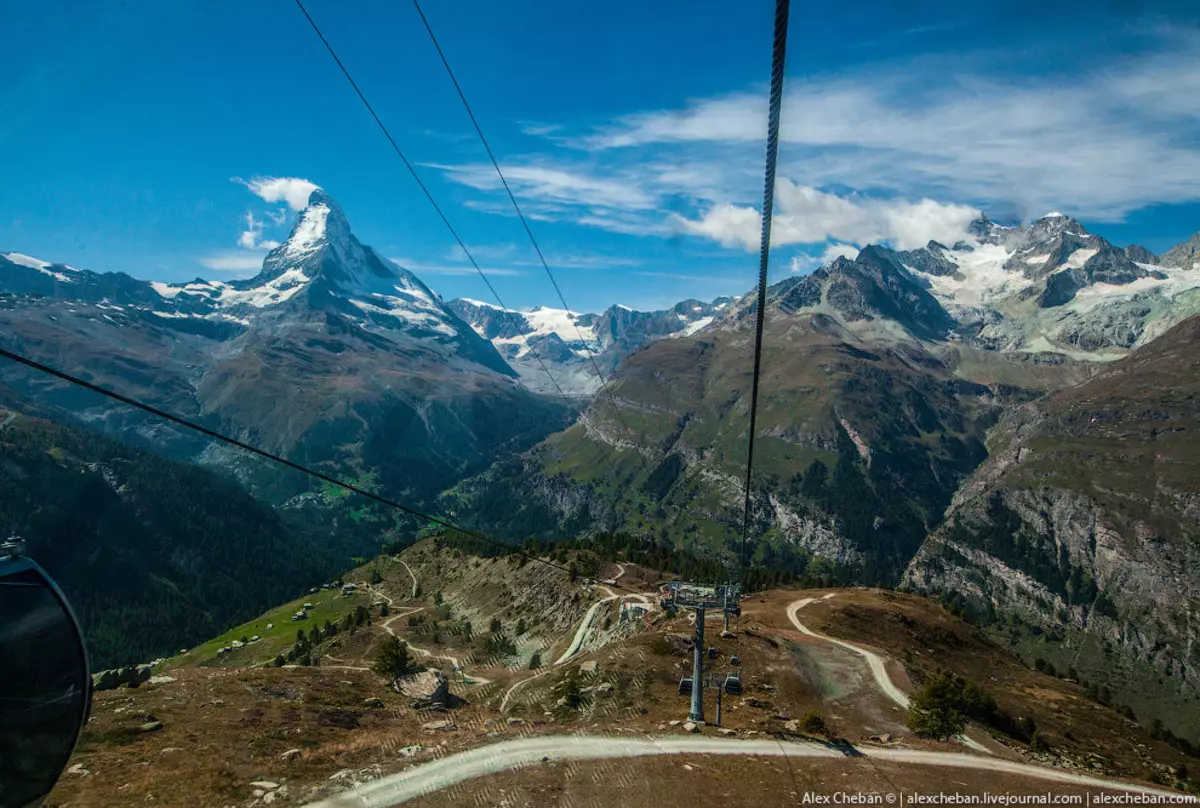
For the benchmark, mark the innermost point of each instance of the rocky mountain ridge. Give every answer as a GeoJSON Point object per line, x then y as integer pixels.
{"type": "Point", "coordinates": [569, 342]}
{"type": "Point", "coordinates": [1082, 525]}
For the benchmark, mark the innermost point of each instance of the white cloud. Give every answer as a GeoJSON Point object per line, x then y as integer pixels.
{"type": "Point", "coordinates": [730, 225]}
{"type": "Point", "coordinates": [836, 250]}
{"type": "Point", "coordinates": [804, 215]}
{"type": "Point", "coordinates": [804, 262]}
{"type": "Point", "coordinates": [251, 238]}
{"type": "Point", "coordinates": [292, 190]}
{"type": "Point", "coordinates": [232, 261]}
{"type": "Point", "coordinates": [1115, 136]}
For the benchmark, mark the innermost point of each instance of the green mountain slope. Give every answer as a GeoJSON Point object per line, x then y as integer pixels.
{"type": "Point", "coordinates": [859, 451]}
{"type": "Point", "coordinates": [1080, 537]}
{"type": "Point", "coordinates": [153, 554]}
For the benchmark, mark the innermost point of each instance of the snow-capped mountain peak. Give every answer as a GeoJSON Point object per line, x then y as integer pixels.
{"type": "Point", "coordinates": [321, 271]}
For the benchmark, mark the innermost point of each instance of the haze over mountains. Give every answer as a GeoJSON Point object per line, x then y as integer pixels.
{"type": "Point", "coordinates": [885, 377]}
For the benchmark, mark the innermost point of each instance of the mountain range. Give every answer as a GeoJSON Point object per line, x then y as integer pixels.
{"type": "Point", "coordinates": [576, 348]}
{"type": "Point", "coordinates": [332, 355]}
{"type": "Point", "coordinates": [890, 381]}
{"type": "Point", "coordinates": [911, 426]}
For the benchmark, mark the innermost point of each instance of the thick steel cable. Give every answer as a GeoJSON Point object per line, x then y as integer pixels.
{"type": "Point", "coordinates": [778, 57]}
{"type": "Point", "coordinates": [274, 458]}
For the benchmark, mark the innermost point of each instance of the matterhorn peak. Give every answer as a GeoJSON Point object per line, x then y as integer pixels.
{"type": "Point", "coordinates": [321, 223]}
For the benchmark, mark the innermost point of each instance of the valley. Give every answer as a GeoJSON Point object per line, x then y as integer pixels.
{"type": "Point", "coordinates": [996, 430]}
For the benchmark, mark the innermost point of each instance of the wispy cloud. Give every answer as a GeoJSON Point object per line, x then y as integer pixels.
{"type": "Point", "coordinates": [1101, 144]}
{"type": "Point", "coordinates": [292, 190]}
{"type": "Point", "coordinates": [585, 262]}
{"type": "Point", "coordinates": [251, 238]}
{"type": "Point", "coordinates": [683, 276]}
{"type": "Point", "coordinates": [553, 184]}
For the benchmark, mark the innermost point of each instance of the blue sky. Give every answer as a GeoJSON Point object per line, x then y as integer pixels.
{"type": "Point", "coordinates": [630, 131]}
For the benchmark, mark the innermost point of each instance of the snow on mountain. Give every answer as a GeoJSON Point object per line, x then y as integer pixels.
{"type": "Point", "coordinates": [513, 330]}
{"type": "Point", "coordinates": [323, 259]}
{"type": "Point", "coordinates": [572, 344]}
{"type": "Point", "coordinates": [56, 271]}
{"type": "Point", "coordinates": [561, 322]}
{"type": "Point", "coordinates": [322, 269]}
{"type": "Point", "coordinates": [26, 260]}
{"type": "Point", "coordinates": [1053, 286]}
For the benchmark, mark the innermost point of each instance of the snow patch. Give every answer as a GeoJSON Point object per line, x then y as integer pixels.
{"type": "Point", "coordinates": [1078, 258]}
{"type": "Point", "coordinates": [26, 260]}
{"type": "Point", "coordinates": [274, 291]}
{"type": "Point", "coordinates": [981, 276]}
{"type": "Point", "coordinates": [41, 266]}
{"type": "Point", "coordinates": [481, 304]}
{"type": "Point", "coordinates": [692, 328]}
{"type": "Point", "coordinates": [558, 321]}
{"type": "Point", "coordinates": [309, 234]}
{"type": "Point", "coordinates": [401, 308]}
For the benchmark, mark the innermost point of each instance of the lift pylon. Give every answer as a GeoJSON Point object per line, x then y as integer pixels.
{"type": "Point", "coordinates": [699, 598]}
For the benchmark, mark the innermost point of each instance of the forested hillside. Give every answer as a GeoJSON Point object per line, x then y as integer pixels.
{"type": "Point", "coordinates": [153, 554]}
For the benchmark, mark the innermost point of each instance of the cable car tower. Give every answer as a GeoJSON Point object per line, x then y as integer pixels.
{"type": "Point", "coordinates": [700, 598]}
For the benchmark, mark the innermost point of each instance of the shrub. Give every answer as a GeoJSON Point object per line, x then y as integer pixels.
{"type": "Point", "coordinates": [392, 659]}
{"type": "Point", "coordinates": [938, 710]}
{"type": "Point", "coordinates": [499, 644]}
{"type": "Point", "coordinates": [570, 693]}
{"type": "Point", "coordinates": [814, 724]}
{"type": "Point", "coordinates": [535, 662]}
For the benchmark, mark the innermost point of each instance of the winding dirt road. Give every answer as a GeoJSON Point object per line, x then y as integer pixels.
{"type": "Point", "coordinates": [435, 775]}
{"type": "Point", "coordinates": [875, 661]}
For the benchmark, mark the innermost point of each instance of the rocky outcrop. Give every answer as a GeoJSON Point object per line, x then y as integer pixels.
{"type": "Point", "coordinates": [131, 675]}
{"type": "Point", "coordinates": [426, 689]}
{"type": "Point", "coordinates": [1183, 256]}
{"type": "Point", "coordinates": [1140, 254]}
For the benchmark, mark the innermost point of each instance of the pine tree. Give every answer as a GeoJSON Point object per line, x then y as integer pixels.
{"type": "Point", "coordinates": [392, 659]}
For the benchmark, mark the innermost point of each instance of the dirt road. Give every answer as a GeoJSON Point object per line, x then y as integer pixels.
{"type": "Point", "coordinates": [453, 769]}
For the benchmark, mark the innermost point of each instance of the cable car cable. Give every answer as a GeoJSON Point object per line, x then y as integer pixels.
{"type": "Point", "coordinates": [778, 55]}
{"type": "Point", "coordinates": [212, 433]}
{"type": "Point", "coordinates": [395, 147]}
{"type": "Point", "coordinates": [524, 222]}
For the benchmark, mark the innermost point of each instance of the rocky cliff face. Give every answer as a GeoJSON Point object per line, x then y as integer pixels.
{"type": "Point", "coordinates": [1185, 255]}
{"type": "Point", "coordinates": [1084, 525]}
